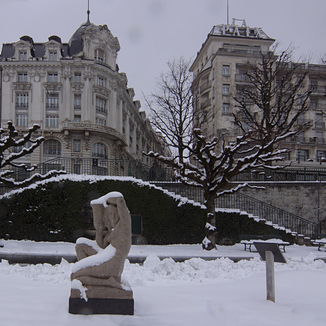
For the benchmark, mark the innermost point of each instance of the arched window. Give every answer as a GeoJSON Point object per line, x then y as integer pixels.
{"type": "Point", "coordinates": [99, 56]}
{"type": "Point", "coordinates": [99, 150]}
{"type": "Point", "coordinates": [52, 147]}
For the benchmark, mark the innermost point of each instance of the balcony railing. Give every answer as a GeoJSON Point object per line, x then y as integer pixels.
{"type": "Point", "coordinates": [242, 78]}
{"type": "Point", "coordinates": [101, 110]}
{"type": "Point", "coordinates": [22, 105]}
{"type": "Point", "coordinates": [54, 106]}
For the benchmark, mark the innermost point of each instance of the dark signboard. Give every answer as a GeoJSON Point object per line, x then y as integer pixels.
{"type": "Point", "coordinates": [262, 247]}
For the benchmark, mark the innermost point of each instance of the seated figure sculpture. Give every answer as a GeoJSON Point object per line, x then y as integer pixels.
{"type": "Point", "coordinates": [97, 273]}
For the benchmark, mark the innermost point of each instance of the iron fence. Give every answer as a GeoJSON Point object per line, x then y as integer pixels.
{"type": "Point", "coordinates": [287, 174]}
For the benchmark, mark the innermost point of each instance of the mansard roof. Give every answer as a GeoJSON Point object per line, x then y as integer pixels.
{"type": "Point", "coordinates": [73, 47]}
{"type": "Point", "coordinates": [76, 41]}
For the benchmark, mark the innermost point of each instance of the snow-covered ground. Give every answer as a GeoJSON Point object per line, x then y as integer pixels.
{"type": "Point", "coordinates": [195, 292]}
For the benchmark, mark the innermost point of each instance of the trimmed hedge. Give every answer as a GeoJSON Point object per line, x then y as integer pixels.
{"type": "Point", "coordinates": [60, 211]}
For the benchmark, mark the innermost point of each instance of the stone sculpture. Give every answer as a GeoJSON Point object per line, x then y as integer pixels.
{"type": "Point", "coordinates": [97, 286]}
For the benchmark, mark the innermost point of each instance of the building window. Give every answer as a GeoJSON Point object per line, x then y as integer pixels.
{"type": "Point", "coordinates": [301, 137]}
{"type": "Point", "coordinates": [314, 104]}
{"type": "Point", "coordinates": [77, 77]}
{"type": "Point", "coordinates": [101, 105]}
{"type": "Point", "coordinates": [226, 70]}
{"type": "Point", "coordinates": [77, 118]}
{"type": "Point", "coordinates": [286, 156]}
{"type": "Point", "coordinates": [100, 121]}
{"type": "Point", "coordinates": [22, 77]}
{"type": "Point", "coordinates": [18, 149]}
{"type": "Point", "coordinates": [53, 55]}
{"type": "Point", "coordinates": [52, 147]}
{"type": "Point", "coordinates": [99, 56]}
{"type": "Point", "coordinates": [23, 55]}
{"type": "Point", "coordinates": [77, 145]}
{"type": "Point", "coordinates": [52, 101]}
{"type": "Point", "coordinates": [22, 100]}
{"type": "Point", "coordinates": [101, 81]}
{"type": "Point", "coordinates": [226, 109]}
{"type": "Point", "coordinates": [319, 121]}
{"type": "Point", "coordinates": [302, 155]}
{"type": "Point", "coordinates": [22, 120]}
{"type": "Point", "coordinates": [77, 102]}
{"type": "Point", "coordinates": [226, 89]}
{"type": "Point", "coordinates": [99, 150]}
{"type": "Point", "coordinates": [320, 137]}
{"type": "Point", "coordinates": [321, 156]}
{"type": "Point", "coordinates": [53, 78]}
{"type": "Point", "coordinates": [52, 121]}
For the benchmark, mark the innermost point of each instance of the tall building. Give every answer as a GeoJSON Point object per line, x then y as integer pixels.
{"type": "Point", "coordinates": [220, 67]}
{"type": "Point", "coordinates": [88, 115]}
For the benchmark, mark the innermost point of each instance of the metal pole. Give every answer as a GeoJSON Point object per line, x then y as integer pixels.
{"type": "Point", "coordinates": [318, 209]}
{"type": "Point", "coordinates": [270, 276]}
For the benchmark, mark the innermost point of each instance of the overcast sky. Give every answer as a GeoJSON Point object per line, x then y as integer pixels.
{"type": "Point", "coordinates": [152, 32]}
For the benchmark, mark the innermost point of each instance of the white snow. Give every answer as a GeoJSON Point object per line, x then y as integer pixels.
{"type": "Point", "coordinates": [103, 200]}
{"type": "Point", "coordinates": [76, 284]}
{"type": "Point", "coordinates": [102, 256]}
{"type": "Point", "coordinates": [195, 292]}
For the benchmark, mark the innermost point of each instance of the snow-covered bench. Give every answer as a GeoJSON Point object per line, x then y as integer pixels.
{"type": "Point", "coordinates": [251, 239]}
{"type": "Point", "coordinates": [321, 243]}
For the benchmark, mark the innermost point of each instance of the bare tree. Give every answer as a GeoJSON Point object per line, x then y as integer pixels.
{"type": "Point", "coordinates": [171, 111]}
{"type": "Point", "coordinates": [13, 147]}
{"type": "Point", "coordinates": [266, 112]}
{"type": "Point", "coordinates": [276, 94]}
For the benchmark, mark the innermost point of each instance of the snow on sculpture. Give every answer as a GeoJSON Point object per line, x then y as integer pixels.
{"type": "Point", "coordinates": [97, 273]}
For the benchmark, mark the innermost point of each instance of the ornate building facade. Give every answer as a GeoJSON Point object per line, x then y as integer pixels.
{"type": "Point", "coordinates": [220, 69]}
{"type": "Point", "coordinates": [75, 92]}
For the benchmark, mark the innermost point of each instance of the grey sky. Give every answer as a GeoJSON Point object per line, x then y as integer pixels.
{"type": "Point", "coordinates": [151, 32]}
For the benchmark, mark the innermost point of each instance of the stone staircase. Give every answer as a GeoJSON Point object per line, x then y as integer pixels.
{"type": "Point", "coordinates": [256, 208]}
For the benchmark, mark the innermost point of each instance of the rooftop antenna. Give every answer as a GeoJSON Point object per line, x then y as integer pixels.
{"type": "Point", "coordinates": [88, 12]}
{"type": "Point", "coordinates": [227, 12]}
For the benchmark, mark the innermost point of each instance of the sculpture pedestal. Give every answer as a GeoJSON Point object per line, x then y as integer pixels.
{"type": "Point", "coordinates": [102, 300]}
{"type": "Point", "coordinates": [101, 306]}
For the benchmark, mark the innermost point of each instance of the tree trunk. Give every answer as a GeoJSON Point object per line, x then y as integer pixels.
{"type": "Point", "coordinates": [209, 242]}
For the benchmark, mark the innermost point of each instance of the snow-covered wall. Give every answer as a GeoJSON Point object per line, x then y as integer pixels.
{"type": "Point", "coordinates": [299, 198]}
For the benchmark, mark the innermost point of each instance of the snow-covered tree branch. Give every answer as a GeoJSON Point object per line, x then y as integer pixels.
{"type": "Point", "coordinates": [13, 147]}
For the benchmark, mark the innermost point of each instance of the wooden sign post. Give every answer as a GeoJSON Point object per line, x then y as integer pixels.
{"type": "Point", "coordinates": [270, 252]}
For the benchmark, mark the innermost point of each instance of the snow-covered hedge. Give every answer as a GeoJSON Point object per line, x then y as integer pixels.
{"type": "Point", "coordinates": [59, 209]}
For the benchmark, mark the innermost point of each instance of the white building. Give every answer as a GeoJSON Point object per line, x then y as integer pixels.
{"type": "Point", "coordinates": [75, 92]}
{"type": "Point", "coordinates": [220, 67]}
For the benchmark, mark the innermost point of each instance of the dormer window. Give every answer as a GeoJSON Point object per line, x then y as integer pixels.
{"type": "Point", "coordinates": [23, 55]}
{"type": "Point", "coordinates": [53, 55]}
{"type": "Point", "coordinates": [99, 56]}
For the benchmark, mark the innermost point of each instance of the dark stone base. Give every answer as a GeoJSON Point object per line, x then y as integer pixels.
{"type": "Point", "coordinates": [101, 306]}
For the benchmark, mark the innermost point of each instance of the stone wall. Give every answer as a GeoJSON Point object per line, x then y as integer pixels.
{"type": "Point", "coordinates": [299, 198]}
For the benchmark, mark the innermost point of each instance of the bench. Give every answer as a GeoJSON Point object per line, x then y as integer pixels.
{"type": "Point", "coordinates": [321, 243]}
{"type": "Point", "coordinates": [250, 239]}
